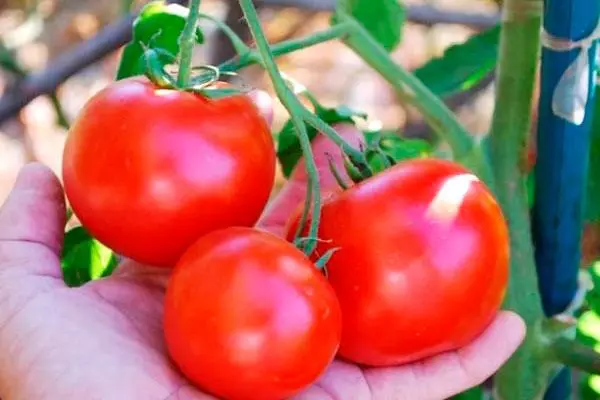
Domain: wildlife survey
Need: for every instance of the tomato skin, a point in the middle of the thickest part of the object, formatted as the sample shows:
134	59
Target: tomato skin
413	279
248	316
148	171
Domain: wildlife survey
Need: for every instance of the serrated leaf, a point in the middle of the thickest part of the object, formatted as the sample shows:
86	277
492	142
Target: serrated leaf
289	151
84	258
463	65
383	19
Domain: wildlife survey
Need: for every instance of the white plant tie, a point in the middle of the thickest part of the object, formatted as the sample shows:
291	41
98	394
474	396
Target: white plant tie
570	97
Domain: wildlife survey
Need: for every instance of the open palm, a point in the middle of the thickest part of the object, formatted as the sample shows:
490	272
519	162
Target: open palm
104	340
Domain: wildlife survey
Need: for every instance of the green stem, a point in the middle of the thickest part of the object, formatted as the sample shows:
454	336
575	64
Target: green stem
186	43
575	354
286	47
295	109
355	155
410	89
524	376
237	43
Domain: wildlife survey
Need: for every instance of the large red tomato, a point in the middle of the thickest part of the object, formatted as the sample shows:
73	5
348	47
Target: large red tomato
422	265
248	316
149	170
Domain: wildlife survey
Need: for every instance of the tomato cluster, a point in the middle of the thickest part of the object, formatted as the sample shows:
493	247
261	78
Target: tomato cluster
172	178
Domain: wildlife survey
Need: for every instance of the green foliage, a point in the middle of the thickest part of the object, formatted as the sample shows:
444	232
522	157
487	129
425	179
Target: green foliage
592	202
395	148
289	151
463	65
383	19
475	393
84	258
588	332
158	26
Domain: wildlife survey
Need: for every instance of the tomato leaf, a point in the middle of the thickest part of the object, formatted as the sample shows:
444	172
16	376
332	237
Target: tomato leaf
381	18
592	201
475	393
394	148
158	26
84	258
463	65
289	151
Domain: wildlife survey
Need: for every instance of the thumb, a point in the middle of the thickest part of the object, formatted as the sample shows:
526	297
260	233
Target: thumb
32	219
294	192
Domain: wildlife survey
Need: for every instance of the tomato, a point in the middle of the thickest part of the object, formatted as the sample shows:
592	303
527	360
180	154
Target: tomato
422	264
248	316
148	171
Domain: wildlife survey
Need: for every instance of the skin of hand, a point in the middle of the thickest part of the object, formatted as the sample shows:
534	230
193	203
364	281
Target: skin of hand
104	340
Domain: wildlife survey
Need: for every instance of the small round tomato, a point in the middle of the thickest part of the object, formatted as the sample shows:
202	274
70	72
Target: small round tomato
422	261
248	316
149	170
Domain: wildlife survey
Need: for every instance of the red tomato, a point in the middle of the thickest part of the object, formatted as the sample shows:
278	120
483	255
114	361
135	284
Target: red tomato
248	316
422	265
148	170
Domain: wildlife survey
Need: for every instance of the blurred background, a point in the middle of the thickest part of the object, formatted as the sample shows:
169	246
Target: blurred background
66	50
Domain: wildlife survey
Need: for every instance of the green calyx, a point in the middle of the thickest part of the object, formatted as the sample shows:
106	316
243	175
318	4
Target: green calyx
203	84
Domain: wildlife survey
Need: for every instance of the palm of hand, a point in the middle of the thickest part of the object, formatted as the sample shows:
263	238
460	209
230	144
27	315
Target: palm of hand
104	340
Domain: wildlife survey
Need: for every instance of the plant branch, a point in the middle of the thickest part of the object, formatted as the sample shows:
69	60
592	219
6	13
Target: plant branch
294	107
420	14
285	47
409	88
187	42
524	376
575	354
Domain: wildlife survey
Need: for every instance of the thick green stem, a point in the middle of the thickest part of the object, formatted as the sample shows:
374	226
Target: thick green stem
295	109
186	44
288	46
575	354
409	88
524	376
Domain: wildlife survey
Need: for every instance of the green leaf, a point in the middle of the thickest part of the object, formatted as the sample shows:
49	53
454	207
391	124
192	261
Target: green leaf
289	151
463	65
394	148
158	26
84	258
592	201
383	19
475	393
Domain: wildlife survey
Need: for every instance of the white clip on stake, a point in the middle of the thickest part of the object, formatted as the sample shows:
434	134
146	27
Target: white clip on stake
571	94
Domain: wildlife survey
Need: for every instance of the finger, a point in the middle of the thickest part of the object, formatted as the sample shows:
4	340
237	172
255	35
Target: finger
264	102
32	219
450	373
345	381
294	191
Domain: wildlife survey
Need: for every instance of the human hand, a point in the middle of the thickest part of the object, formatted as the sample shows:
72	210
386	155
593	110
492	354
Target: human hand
104	340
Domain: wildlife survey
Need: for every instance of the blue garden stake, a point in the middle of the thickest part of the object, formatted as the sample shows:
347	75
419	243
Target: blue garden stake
565	111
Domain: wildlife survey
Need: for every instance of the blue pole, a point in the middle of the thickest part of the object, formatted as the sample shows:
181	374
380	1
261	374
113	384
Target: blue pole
565	112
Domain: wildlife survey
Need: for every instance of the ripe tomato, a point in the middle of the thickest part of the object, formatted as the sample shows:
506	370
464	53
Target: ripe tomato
148	170
422	265
248	316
